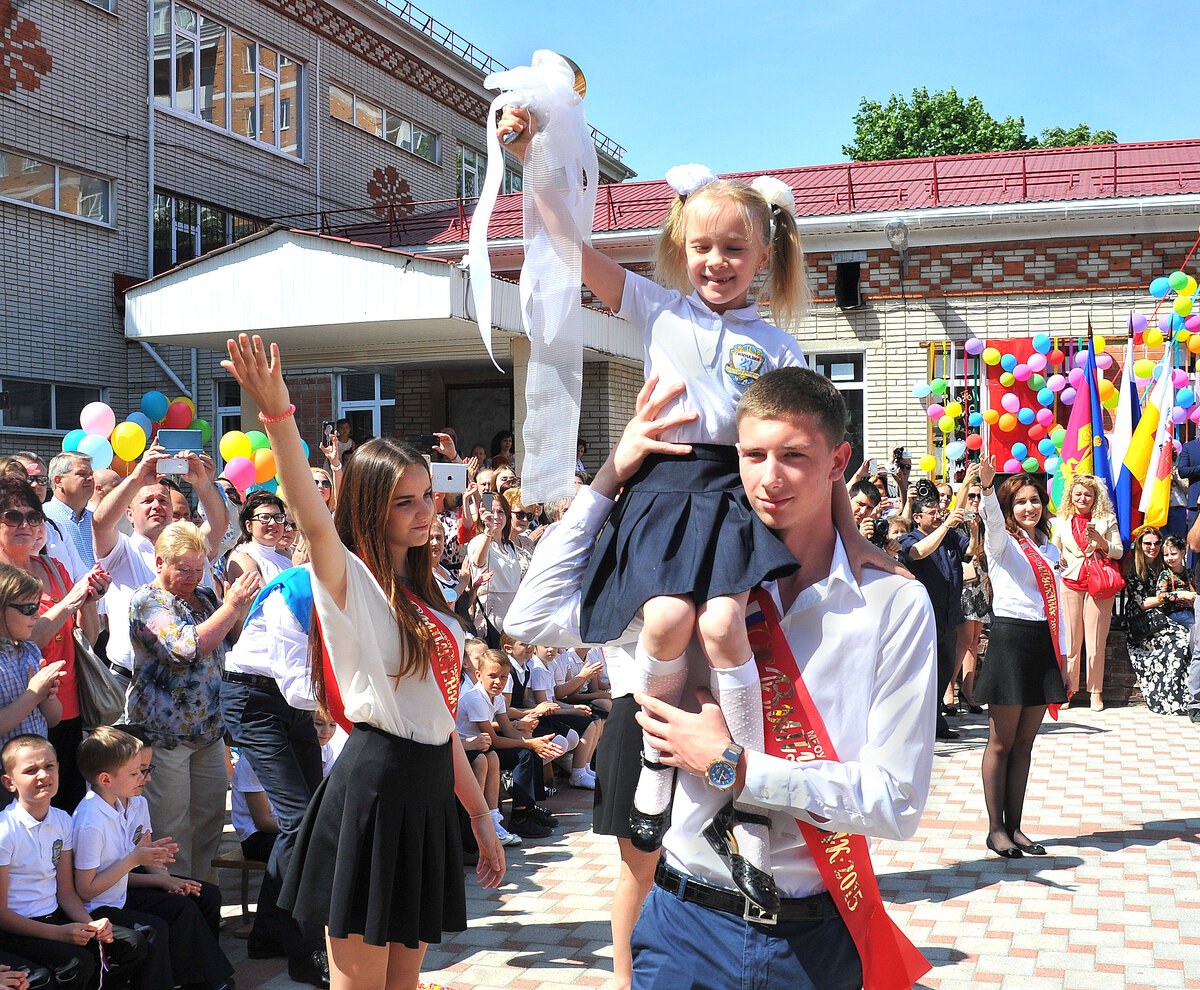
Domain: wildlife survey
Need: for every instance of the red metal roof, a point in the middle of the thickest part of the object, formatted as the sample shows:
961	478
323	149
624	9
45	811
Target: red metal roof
1006	177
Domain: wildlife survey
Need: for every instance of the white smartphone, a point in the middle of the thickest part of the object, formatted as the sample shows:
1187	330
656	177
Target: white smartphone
449	477
175	442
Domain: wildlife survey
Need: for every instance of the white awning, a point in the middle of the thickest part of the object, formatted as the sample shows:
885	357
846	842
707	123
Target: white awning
328	301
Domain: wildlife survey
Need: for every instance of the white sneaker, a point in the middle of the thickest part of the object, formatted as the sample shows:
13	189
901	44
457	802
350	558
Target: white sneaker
583	778
506	837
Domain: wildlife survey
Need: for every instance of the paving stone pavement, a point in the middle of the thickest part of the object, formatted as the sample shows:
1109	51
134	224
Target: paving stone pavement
1114	795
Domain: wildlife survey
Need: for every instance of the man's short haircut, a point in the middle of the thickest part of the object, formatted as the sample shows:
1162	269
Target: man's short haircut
473	641
12	748
867	491
105	751
29	455
925	504
64	463
792	393
506	641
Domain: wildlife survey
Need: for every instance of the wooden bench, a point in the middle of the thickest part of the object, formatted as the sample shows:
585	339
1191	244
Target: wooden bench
234	860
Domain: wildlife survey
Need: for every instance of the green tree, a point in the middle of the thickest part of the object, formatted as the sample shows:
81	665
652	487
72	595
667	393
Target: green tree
943	123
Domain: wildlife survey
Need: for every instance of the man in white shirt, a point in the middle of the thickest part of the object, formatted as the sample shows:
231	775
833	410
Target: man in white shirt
866	652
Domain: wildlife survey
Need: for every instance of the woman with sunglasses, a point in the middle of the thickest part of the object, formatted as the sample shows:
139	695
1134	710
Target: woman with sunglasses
63	603
1159	649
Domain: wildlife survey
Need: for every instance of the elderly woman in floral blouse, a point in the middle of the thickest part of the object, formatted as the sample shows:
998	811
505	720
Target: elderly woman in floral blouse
178	629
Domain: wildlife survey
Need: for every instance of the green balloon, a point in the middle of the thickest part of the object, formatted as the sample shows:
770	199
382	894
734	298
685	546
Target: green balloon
205	428
258	440
1037	383
1030	464
1058	436
938	386
1178	281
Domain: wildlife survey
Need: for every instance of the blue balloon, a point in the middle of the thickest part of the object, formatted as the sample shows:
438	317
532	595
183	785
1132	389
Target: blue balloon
1020	451
98	449
975	420
304	444
1185	398
955	450
1042	343
1025	416
922	390
73	439
1045	397
1051	465
1046	447
1160	287
1008	361
155	405
142	420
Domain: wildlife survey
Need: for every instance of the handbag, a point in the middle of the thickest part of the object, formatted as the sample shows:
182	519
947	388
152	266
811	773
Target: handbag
1104	580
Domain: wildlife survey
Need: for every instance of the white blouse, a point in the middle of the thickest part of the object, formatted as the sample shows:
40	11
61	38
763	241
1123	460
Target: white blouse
1015	593
363	640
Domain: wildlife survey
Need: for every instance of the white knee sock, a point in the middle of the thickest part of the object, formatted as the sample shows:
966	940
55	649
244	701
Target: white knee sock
739	694
663	680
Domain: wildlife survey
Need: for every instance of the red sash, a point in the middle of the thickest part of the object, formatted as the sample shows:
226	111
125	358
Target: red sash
793	730
1045	582
445	663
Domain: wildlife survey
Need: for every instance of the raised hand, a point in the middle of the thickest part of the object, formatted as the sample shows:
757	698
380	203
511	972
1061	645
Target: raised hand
260	372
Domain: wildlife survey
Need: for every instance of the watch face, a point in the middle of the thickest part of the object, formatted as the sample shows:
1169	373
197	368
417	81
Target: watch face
722	774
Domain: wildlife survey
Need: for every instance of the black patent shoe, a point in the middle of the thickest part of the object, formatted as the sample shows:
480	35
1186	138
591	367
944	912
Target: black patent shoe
759	887
646	830
1010	853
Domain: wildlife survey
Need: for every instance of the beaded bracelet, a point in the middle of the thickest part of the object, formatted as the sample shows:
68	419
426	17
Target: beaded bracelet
264	418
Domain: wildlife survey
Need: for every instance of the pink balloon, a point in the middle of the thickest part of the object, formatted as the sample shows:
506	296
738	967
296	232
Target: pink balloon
1104	361
1076	377
1066	396
1194	413
1012	466
1056	383
1179	378
936	412
973	345
1192	323
1022	373
1080	359
1178	446
240	470
1137	322
1010	402
98	419
1045	417
1036	362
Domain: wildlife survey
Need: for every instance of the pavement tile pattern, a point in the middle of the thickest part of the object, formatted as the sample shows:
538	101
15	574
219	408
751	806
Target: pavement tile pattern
1115	796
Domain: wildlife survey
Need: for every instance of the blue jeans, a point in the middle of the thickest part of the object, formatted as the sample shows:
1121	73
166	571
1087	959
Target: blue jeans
281	744
682	946
1184	616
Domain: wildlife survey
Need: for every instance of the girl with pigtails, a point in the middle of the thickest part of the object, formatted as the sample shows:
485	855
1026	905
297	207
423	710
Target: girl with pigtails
683	546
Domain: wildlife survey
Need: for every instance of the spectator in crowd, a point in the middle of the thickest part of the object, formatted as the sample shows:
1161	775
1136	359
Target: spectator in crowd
1176	586
504	479
103	482
64	604
475	723
345	443
261	518
35	470
253	818
58	543
500	549
28	691
1025	669
976	605
864	502
177	631
331	737
580	452
72	486
503	445
1086	526
1159	649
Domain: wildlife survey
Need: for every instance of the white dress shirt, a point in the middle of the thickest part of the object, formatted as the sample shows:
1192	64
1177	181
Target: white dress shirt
131	565
31	850
274	644
867	652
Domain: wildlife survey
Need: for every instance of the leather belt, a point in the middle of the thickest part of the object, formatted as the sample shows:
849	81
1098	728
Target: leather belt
253	680
812	908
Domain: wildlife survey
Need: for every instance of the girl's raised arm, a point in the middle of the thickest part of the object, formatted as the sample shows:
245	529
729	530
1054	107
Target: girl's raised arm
261	375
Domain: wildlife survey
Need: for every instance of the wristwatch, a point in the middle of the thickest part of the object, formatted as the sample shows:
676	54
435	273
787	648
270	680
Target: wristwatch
722	772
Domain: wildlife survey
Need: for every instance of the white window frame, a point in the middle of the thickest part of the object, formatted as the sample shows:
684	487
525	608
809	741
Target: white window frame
374	406
386	115
478	169
56	429
57	209
812	358
219	414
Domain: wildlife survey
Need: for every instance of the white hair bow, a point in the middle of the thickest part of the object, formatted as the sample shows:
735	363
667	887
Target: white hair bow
686	179
776	192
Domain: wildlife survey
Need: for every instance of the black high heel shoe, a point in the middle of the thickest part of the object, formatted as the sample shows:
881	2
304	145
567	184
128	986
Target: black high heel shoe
1014	853
759	887
648	828
1030	848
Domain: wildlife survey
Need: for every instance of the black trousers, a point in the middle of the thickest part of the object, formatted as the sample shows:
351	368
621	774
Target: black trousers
155	971
125	954
195	954
947	646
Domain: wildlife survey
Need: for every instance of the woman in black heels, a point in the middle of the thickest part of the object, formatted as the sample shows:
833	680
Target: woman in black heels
1024	672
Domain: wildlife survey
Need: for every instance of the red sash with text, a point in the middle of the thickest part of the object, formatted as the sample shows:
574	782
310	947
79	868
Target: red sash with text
445	662
1044	575
794	731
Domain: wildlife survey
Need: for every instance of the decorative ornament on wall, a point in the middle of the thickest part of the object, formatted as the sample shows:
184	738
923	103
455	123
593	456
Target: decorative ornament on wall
23	58
389	193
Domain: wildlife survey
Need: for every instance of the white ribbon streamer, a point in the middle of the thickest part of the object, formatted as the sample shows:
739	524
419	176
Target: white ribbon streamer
559	202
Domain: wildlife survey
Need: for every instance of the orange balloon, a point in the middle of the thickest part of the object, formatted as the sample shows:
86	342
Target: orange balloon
264	465
991	417
1106	389
1008	422
122	467
1194	343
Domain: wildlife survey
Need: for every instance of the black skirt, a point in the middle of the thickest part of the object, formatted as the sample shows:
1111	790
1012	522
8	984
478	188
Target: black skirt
379	853
1021	667
618	766
682	526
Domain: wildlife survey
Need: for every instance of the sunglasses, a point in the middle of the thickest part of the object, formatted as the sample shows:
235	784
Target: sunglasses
322	483
27	609
39	479
266	518
523	515
15	518
1150	544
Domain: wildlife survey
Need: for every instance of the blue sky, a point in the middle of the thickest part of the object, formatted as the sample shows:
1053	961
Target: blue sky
773	84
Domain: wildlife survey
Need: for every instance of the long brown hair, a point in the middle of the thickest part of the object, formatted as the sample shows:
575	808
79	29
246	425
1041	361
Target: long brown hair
370	477
1137	565
1007	494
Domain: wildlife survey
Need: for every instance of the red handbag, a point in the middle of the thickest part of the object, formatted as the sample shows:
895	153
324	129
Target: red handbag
1104	580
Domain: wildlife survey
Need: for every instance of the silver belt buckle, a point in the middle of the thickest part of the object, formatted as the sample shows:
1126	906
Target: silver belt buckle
758	915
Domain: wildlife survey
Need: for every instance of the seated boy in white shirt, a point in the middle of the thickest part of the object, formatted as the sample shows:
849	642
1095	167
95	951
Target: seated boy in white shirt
184	951
581	678
476	706
253	817
42	917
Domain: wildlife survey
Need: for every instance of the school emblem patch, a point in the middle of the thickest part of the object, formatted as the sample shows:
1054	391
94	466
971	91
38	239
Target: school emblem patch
56	851
745	364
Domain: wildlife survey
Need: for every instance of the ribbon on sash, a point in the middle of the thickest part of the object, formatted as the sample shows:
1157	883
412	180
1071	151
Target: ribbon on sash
445	662
794	731
1044	575
559	185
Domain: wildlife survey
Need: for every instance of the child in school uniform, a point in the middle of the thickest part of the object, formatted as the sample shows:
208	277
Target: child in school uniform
185	952
254	819
476	706
332	738
42	917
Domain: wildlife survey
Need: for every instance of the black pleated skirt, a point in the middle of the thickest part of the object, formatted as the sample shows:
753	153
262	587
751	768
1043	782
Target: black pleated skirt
379	853
618	766
1021	667
682	526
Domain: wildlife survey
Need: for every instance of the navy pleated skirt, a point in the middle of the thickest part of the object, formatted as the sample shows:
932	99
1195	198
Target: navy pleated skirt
682	526
379	853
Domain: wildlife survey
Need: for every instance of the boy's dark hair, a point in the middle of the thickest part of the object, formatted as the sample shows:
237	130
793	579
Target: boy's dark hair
104	751
925	504
790	393
867	490
8	756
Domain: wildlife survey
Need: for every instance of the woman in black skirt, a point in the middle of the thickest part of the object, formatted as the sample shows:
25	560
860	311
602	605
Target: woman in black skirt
378	860
1023	673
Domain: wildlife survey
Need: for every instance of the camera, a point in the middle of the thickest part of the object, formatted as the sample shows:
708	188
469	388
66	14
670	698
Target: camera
879	535
926	489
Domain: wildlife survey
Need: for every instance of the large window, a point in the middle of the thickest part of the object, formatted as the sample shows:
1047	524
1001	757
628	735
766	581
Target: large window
847	372
472	165
35	405
185	229
54	187
210	72
376	119
369	402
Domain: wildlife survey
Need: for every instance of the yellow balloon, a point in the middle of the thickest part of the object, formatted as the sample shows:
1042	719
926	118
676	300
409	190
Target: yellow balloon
1183	305
928	462
235	444
1099	343
128	441
946	424
1153	337
953	408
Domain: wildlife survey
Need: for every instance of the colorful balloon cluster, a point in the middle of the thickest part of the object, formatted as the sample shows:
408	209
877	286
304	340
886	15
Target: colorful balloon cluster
1180	323
118	445
249	461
